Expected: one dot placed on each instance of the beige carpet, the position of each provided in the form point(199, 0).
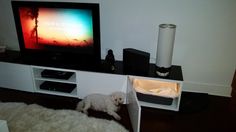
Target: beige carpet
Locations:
point(34, 118)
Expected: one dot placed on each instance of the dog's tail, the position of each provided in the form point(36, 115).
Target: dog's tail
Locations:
point(80, 106)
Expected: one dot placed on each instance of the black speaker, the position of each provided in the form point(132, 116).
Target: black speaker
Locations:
point(135, 62)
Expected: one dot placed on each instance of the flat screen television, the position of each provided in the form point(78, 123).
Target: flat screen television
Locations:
point(58, 32)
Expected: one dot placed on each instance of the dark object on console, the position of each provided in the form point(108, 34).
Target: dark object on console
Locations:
point(57, 86)
point(135, 62)
point(56, 74)
point(154, 99)
point(109, 63)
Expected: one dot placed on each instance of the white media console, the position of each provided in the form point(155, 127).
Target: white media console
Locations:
point(27, 77)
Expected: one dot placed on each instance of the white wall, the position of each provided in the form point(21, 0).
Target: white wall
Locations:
point(205, 36)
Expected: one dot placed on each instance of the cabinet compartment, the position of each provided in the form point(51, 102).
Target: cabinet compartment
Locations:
point(70, 76)
point(55, 81)
point(154, 91)
point(157, 93)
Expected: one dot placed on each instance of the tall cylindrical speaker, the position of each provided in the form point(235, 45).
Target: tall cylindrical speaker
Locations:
point(166, 38)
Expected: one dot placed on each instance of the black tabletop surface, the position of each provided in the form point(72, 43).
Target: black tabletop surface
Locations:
point(15, 57)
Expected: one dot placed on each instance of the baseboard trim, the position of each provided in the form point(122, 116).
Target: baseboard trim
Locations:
point(212, 89)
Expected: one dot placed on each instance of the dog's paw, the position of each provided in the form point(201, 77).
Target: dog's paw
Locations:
point(85, 112)
point(114, 114)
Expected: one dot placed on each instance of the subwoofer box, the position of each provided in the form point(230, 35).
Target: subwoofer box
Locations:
point(135, 62)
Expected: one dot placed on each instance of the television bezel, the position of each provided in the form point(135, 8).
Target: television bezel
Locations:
point(53, 55)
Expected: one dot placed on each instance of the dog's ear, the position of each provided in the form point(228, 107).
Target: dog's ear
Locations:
point(113, 96)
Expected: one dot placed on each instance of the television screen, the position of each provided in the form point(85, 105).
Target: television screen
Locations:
point(58, 28)
point(67, 28)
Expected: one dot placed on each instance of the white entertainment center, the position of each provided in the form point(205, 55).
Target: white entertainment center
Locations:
point(26, 77)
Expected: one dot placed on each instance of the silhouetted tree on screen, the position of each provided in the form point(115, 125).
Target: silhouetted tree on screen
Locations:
point(33, 13)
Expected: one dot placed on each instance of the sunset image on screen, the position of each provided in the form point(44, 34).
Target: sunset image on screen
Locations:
point(56, 27)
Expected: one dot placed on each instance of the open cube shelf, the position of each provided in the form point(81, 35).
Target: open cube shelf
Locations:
point(53, 84)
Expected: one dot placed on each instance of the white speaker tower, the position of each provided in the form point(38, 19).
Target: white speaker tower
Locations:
point(165, 45)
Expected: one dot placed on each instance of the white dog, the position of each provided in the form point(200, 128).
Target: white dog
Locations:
point(99, 102)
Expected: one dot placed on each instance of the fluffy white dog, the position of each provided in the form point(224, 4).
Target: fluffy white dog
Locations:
point(100, 102)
